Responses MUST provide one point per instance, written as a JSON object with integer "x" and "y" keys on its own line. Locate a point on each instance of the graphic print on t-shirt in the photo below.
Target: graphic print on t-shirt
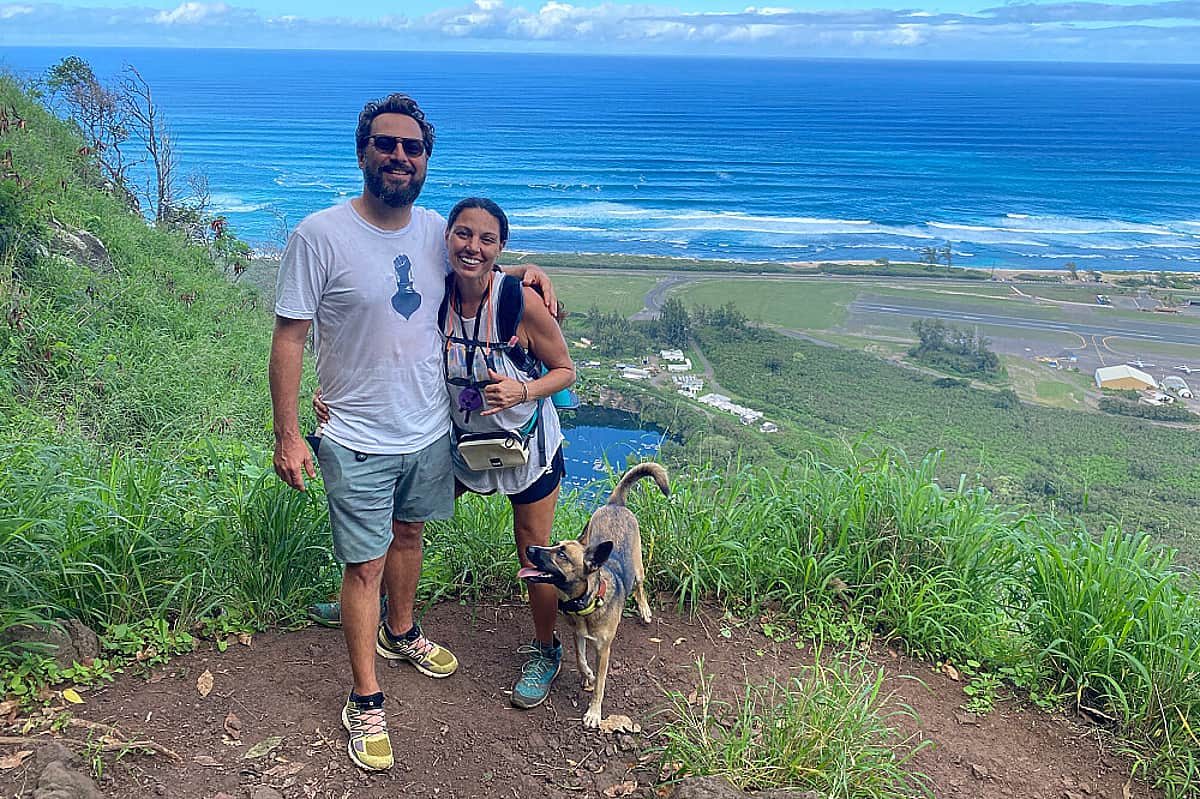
{"x": 406, "y": 300}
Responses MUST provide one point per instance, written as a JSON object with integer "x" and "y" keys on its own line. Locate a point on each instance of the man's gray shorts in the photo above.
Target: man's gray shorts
{"x": 366, "y": 492}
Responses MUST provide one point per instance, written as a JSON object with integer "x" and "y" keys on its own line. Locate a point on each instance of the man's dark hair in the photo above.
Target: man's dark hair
{"x": 392, "y": 104}
{"x": 483, "y": 204}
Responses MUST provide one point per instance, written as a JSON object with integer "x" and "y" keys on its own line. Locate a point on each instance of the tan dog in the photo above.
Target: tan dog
{"x": 594, "y": 575}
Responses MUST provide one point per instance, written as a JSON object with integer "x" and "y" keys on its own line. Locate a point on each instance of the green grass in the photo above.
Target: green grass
{"x": 830, "y": 730}
{"x": 621, "y": 293}
{"x": 1108, "y": 623}
{"x": 1039, "y": 382}
{"x": 794, "y": 304}
{"x": 1083, "y": 294}
{"x": 610, "y": 262}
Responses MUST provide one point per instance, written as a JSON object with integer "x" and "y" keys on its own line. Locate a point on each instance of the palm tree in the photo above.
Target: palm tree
{"x": 1072, "y": 270}
{"x": 947, "y": 255}
{"x": 929, "y": 255}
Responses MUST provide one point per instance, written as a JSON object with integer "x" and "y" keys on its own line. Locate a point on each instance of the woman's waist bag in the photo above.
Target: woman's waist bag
{"x": 500, "y": 449}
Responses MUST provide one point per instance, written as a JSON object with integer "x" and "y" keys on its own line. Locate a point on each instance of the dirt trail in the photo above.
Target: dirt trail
{"x": 458, "y": 738}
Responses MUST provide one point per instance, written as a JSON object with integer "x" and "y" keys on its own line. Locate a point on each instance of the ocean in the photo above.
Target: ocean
{"x": 1013, "y": 165}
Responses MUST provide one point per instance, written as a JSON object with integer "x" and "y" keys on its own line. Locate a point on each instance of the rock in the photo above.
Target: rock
{"x": 83, "y": 638}
{"x": 979, "y": 772}
{"x": 80, "y": 246}
{"x": 59, "y": 782}
{"x": 57, "y": 643}
{"x": 73, "y": 642}
{"x": 56, "y": 752}
{"x": 719, "y": 788}
{"x": 265, "y": 792}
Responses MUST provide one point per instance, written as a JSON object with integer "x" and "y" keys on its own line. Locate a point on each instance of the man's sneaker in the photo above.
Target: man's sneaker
{"x": 428, "y": 658}
{"x": 329, "y": 614}
{"x": 537, "y": 675}
{"x": 369, "y": 745}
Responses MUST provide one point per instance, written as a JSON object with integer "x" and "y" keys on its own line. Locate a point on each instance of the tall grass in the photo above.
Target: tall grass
{"x": 145, "y": 536}
{"x": 830, "y": 730}
{"x": 1107, "y": 621}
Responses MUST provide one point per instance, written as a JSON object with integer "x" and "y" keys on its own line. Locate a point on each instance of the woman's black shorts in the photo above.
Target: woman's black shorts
{"x": 544, "y": 485}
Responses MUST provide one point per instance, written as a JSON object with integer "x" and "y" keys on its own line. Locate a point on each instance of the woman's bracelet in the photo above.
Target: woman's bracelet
{"x": 524, "y": 392}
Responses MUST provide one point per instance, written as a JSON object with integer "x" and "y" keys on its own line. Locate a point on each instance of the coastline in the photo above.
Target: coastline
{"x": 672, "y": 263}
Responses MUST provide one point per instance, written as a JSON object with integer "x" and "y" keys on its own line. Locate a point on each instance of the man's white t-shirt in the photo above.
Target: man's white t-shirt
{"x": 373, "y": 295}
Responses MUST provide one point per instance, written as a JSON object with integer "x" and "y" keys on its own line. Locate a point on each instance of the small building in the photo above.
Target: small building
{"x": 671, "y": 355}
{"x": 633, "y": 373}
{"x": 1124, "y": 376}
{"x": 686, "y": 366}
{"x": 769, "y": 427}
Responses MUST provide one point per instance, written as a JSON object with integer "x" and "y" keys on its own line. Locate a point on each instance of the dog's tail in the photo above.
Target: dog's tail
{"x": 647, "y": 469}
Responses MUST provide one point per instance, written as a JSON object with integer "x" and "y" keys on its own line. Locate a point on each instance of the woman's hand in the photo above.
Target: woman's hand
{"x": 504, "y": 393}
{"x": 320, "y": 408}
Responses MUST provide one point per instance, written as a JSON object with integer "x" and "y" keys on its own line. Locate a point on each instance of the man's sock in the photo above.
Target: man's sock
{"x": 371, "y": 701}
{"x": 413, "y": 634}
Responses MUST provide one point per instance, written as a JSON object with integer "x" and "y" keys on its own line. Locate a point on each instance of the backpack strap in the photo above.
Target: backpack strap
{"x": 444, "y": 308}
{"x": 512, "y": 307}
{"x": 508, "y": 317}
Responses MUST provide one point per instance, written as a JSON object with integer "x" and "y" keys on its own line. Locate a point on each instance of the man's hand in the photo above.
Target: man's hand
{"x": 536, "y": 278}
{"x": 320, "y": 408}
{"x": 293, "y": 460}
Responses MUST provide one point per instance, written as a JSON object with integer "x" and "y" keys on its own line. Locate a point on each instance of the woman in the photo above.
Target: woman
{"x": 506, "y": 430}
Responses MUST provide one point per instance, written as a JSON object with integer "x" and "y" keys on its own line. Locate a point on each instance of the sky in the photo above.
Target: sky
{"x": 1150, "y": 32}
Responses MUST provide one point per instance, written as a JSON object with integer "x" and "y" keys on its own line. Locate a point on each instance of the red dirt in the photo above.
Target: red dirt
{"x": 459, "y": 738}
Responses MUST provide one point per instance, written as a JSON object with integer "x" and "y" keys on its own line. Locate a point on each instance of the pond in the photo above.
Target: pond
{"x": 600, "y": 440}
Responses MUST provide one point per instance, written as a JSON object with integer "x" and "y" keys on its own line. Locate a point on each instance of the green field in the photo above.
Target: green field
{"x": 1082, "y": 294}
{"x": 1045, "y": 385}
{"x": 621, "y": 293}
{"x": 794, "y": 304}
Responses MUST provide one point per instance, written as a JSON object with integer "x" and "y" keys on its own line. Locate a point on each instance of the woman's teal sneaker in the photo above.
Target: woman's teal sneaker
{"x": 537, "y": 675}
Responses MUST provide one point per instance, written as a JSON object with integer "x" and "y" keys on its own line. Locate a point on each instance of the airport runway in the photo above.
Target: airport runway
{"x": 1150, "y": 330}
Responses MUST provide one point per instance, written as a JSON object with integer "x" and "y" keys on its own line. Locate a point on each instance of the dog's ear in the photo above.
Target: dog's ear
{"x": 596, "y": 554}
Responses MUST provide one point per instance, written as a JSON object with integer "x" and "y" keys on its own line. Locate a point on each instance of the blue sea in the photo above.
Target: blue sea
{"x": 1012, "y": 165}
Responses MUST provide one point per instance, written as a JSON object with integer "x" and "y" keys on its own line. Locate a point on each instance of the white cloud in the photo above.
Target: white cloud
{"x": 1060, "y": 31}
{"x": 191, "y": 12}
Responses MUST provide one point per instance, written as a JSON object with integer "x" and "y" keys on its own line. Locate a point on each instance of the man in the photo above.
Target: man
{"x": 371, "y": 274}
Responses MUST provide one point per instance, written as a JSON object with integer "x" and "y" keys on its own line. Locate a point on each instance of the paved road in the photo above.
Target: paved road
{"x": 1124, "y": 328}
{"x": 657, "y": 295}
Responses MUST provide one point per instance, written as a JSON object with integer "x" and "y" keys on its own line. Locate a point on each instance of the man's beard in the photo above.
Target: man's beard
{"x": 393, "y": 197}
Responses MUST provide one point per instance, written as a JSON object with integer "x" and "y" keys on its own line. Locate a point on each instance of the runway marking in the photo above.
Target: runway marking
{"x": 1181, "y": 337}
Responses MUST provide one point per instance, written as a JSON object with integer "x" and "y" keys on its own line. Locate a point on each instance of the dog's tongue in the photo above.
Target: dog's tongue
{"x": 527, "y": 571}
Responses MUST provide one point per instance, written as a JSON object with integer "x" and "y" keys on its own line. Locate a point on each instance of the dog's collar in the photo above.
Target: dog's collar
{"x": 584, "y": 605}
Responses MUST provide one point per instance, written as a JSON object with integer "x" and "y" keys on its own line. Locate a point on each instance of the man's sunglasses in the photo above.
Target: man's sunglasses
{"x": 387, "y": 145}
